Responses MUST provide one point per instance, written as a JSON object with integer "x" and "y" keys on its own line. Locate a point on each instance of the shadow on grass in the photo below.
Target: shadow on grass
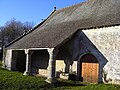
{"x": 62, "y": 84}
{"x": 72, "y": 83}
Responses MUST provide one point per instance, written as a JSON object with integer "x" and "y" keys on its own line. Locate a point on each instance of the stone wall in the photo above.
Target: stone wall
{"x": 60, "y": 69}
{"x": 8, "y": 59}
{"x": 103, "y": 43}
{"x": 107, "y": 42}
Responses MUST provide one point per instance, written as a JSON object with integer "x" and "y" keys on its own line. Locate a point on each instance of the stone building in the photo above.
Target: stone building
{"x": 80, "y": 41}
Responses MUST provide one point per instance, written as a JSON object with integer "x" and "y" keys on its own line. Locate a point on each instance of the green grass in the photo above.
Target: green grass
{"x": 10, "y": 80}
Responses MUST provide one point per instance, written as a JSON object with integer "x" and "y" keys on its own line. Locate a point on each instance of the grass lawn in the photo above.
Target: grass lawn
{"x": 10, "y": 80}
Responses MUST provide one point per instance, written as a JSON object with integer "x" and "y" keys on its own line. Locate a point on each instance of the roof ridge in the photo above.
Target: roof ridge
{"x": 63, "y": 23}
{"x": 29, "y": 31}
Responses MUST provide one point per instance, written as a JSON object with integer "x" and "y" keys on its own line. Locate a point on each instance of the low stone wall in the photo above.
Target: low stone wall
{"x": 60, "y": 70}
{"x": 43, "y": 72}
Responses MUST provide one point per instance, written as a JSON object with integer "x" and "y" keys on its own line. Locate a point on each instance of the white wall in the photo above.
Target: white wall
{"x": 8, "y": 59}
{"x": 107, "y": 42}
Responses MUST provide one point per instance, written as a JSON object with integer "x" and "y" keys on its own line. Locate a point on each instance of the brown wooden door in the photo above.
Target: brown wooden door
{"x": 89, "y": 69}
{"x": 90, "y": 72}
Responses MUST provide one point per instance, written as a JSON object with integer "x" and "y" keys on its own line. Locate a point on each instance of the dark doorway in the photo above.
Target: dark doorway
{"x": 39, "y": 61}
{"x": 21, "y": 61}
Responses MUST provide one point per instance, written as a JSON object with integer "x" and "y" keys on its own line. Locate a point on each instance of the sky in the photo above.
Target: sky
{"x": 30, "y": 10}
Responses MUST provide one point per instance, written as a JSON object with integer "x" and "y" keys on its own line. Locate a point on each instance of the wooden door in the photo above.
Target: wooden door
{"x": 90, "y": 72}
{"x": 89, "y": 69}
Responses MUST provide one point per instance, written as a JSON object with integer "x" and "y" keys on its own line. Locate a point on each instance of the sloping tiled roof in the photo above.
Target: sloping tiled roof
{"x": 64, "y": 22}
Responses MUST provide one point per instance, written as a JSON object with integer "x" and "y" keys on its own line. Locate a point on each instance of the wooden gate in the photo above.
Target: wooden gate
{"x": 89, "y": 68}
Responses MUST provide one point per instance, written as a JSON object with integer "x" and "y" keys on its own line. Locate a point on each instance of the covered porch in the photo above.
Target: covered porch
{"x": 22, "y": 60}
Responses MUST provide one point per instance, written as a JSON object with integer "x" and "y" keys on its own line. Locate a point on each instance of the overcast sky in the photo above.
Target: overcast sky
{"x": 30, "y": 10}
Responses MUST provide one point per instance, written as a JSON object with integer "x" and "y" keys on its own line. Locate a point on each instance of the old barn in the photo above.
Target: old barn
{"x": 80, "y": 42}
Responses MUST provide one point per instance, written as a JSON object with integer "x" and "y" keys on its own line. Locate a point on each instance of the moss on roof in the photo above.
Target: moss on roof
{"x": 65, "y": 22}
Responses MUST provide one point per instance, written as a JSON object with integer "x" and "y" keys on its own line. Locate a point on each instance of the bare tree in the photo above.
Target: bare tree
{"x": 28, "y": 25}
{"x": 13, "y": 29}
{"x": 2, "y": 37}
